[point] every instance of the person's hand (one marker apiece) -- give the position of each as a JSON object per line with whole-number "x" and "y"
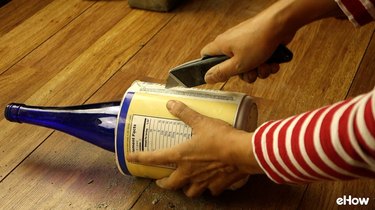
{"x": 216, "y": 158}
{"x": 251, "y": 43}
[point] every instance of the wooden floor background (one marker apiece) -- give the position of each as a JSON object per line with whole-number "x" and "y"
{"x": 58, "y": 52}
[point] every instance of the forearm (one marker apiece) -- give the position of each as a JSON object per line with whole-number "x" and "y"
{"x": 294, "y": 14}
{"x": 289, "y": 15}
{"x": 332, "y": 143}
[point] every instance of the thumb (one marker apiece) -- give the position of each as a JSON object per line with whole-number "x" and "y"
{"x": 184, "y": 113}
{"x": 222, "y": 71}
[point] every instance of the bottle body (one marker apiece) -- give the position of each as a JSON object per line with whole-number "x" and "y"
{"x": 94, "y": 123}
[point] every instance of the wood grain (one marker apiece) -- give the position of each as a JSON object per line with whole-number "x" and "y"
{"x": 38, "y": 28}
{"x": 45, "y": 62}
{"x": 327, "y": 193}
{"x": 324, "y": 195}
{"x": 364, "y": 80}
{"x": 100, "y": 61}
{"x": 15, "y": 12}
{"x": 254, "y": 195}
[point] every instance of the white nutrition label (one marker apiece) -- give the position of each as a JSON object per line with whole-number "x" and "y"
{"x": 153, "y": 133}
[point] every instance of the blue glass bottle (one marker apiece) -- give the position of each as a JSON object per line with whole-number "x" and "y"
{"x": 94, "y": 123}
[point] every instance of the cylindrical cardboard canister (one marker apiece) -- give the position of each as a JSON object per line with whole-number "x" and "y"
{"x": 144, "y": 123}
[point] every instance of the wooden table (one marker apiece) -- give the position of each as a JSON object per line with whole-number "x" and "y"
{"x": 57, "y": 53}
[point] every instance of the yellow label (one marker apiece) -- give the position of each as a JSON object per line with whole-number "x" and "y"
{"x": 149, "y": 125}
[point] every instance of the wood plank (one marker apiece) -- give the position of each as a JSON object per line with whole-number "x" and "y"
{"x": 35, "y": 30}
{"x": 254, "y": 195}
{"x": 45, "y": 62}
{"x": 324, "y": 195}
{"x": 364, "y": 80}
{"x": 79, "y": 80}
{"x": 327, "y": 193}
{"x": 17, "y": 11}
{"x": 65, "y": 172}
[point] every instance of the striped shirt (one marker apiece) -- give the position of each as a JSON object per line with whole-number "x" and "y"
{"x": 336, "y": 142}
{"x": 359, "y": 12}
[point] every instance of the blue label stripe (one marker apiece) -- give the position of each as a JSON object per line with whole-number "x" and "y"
{"x": 121, "y": 133}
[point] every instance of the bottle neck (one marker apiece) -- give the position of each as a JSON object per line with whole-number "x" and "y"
{"x": 94, "y": 123}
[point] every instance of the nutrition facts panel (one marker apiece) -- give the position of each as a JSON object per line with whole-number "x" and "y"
{"x": 153, "y": 133}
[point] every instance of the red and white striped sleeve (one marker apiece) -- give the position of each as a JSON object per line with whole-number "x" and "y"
{"x": 336, "y": 142}
{"x": 359, "y": 12}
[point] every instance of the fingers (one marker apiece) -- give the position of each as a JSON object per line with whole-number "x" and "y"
{"x": 184, "y": 113}
{"x": 249, "y": 76}
{"x": 233, "y": 66}
{"x": 263, "y": 71}
{"x": 163, "y": 156}
{"x": 175, "y": 181}
{"x": 237, "y": 185}
{"x": 173, "y": 154}
{"x": 275, "y": 67}
{"x": 195, "y": 189}
{"x": 224, "y": 181}
{"x": 192, "y": 188}
{"x": 223, "y": 71}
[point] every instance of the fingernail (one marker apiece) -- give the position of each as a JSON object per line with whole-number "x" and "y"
{"x": 209, "y": 77}
{"x": 159, "y": 183}
{"x": 170, "y": 104}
